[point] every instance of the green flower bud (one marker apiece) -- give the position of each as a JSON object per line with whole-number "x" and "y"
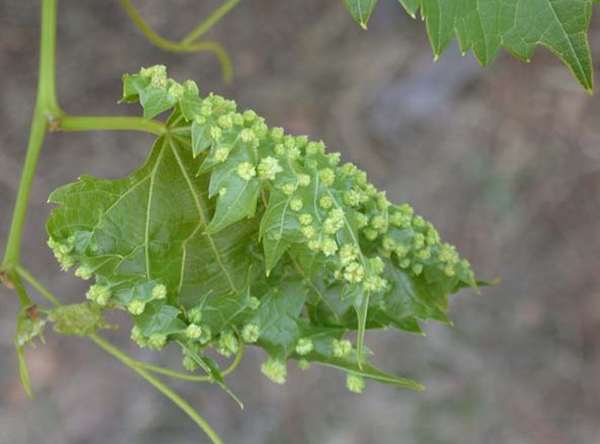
{"x": 305, "y": 219}
{"x": 189, "y": 363}
{"x": 248, "y": 136}
{"x": 308, "y": 231}
{"x": 100, "y": 294}
{"x": 138, "y": 337}
{"x": 84, "y": 272}
{"x": 249, "y": 116}
{"x": 268, "y": 168}
{"x": 176, "y": 91}
{"x": 303, "y": 180}
{"x": 193, "y": 331}
{"x": 288, "y": 189}
{"x": 325, "y": 202}
{"x": 348, "y": 254}
{"x": 157, "y": 341}
{"x": 225, "y": 121}
{"x": 341, "y": 348}
{"x": 228, "y": 344}
{"x": 221, "y": 154}
{"x": 159, "y": 291}
{"x": 215, "y": 133}
{"x": 327, "y": 176}
{"x": 304, "y": 346}
{"x": 355, "y": 383}
{"x": 136, "y": 307}
{"x": 275, "y": 370}
{"x": 277, "y": 134}
{"x": 354, "y": 273}
{"x": 296, "y": 204}
{"x": 379, "y": 223}
{"x": 245, "y": 170}
{"x": 329, "y": 246}
{"x": 250, "y": 333}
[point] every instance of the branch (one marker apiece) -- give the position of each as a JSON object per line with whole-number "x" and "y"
{"x": 169, "y": 45}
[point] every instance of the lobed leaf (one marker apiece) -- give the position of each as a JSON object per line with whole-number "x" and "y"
{"x": 233, "y": 231}
{"x": 518, "y": 26}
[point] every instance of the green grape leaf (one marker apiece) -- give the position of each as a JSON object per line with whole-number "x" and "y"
{"x": 519, "y": 27}
{"x": 233, "y": 231}
{"x": 361, "y": 10}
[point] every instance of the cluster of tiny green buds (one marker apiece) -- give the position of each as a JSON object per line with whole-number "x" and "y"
{"x": 136, "y": 307}
{"x": 250, "y": 333}
{"x": 334, "y": 221}
{"x": 193, "y": 331}
{"x": 157, "y": 341}
{"x": 275, "y": 370}
{"x": 138, "y": 337}
{"x": 327, "y": 176}
{"x": 288, "y": 189}
{"x": 221, "y": 154}
{"x": 341, "y": 348}
{"x": 354, "y": 273}
{"x": 228, "y": 344}
{"x": 62, "y": 253}
{"x": 325, "y": 202}
{"x": 304, "y": 346}
{"x": 246, "y": 171}
{"x": 159, "y": 291}
{"x": 303, "y": 180}
{"x": 355, "y": 383}
{"x": 296, "y": 204}
{"x": 329, "y": 246}
{"x": 189, "y": 363}
{"x": 157, "y": 75}
{"x": 305, "y": 219}
{"x": 268, "y": 168}
{"x": 98, "y": 293}
{"x": 84, "y": 272}
{"x": 176, "y": 91}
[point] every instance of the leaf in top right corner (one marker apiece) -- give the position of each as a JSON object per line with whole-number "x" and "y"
{"x": 484, "y": 26}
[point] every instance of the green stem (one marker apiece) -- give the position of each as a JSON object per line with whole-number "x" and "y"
{"x": 203, "y": 27}
{"x": 47, "y": 85}
{"x": 160, "y": 386}
{"x": 46, "y": 108}
{"x": 32, "y": 280}
{"x": 20, "y": 289}
{"x": 172, "y": 46}
{"x": 36, "y": 138}
{"x": 87, "y": 123}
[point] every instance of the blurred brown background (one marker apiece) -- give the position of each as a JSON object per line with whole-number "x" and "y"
{"x": 504, "y": 160}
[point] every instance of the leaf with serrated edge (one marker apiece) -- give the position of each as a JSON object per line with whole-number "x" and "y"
{"x": 252, "y": 233}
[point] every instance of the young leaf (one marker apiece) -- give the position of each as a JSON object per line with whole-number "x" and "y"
{"x": 235, "y": 231}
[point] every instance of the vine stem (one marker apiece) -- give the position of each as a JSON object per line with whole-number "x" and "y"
{"x": 159, "y": 385}
{"x": 169, "y": 45}
{"x": 46, "y": 108}
{"x": 88, "y": 123}
{"x": 211, "y": 21}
